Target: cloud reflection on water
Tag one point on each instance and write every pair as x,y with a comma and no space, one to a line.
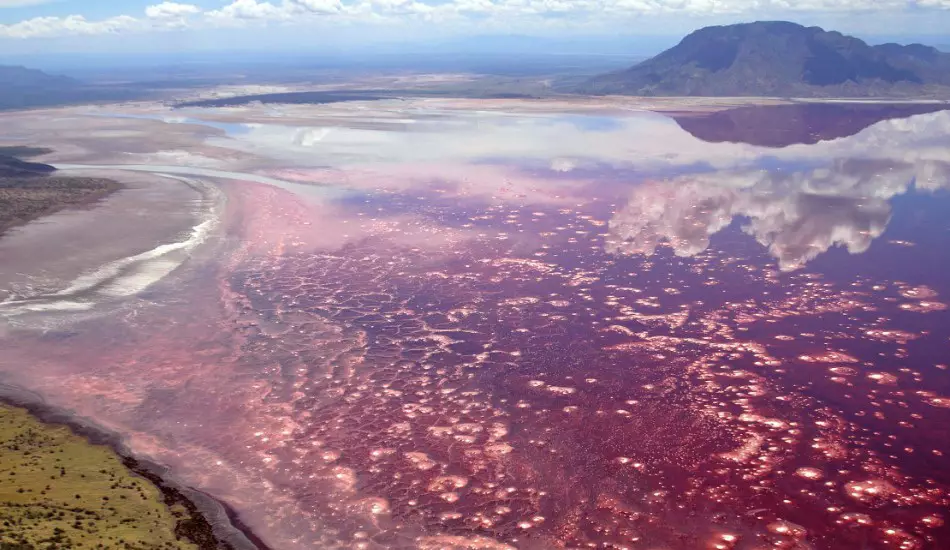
383,366
797,215
798,201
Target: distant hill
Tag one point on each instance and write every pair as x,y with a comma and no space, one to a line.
12,165
777,58
22,88
802,123
12,77
322,97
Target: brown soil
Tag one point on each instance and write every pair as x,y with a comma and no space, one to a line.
23,199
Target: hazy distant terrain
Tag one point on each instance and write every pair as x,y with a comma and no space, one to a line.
761,59
22,88
778,58
521,72
321,97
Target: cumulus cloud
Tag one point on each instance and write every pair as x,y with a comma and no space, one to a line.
157,16
317,6
248,10
170,14
41,27
171,10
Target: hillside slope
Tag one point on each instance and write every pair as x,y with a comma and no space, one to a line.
23,88
777,58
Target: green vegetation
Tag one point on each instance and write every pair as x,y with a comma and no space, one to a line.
58,491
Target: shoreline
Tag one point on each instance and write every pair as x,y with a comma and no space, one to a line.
88,201
212,523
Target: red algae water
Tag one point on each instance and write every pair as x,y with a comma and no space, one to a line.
585,352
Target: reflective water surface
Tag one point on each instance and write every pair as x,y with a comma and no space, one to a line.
542,330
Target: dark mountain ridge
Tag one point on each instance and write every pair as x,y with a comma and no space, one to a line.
22,88
13,165
15,76
778,58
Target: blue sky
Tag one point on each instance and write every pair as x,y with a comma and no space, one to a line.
143,25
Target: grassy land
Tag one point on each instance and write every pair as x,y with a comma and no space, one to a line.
59,491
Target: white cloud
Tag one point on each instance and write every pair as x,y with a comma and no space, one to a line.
248,10
317,6
388,8
164,15
513,14
171,10
40,27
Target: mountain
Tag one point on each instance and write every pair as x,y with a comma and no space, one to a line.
22,88
15,77
12,165
784,125
778,58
